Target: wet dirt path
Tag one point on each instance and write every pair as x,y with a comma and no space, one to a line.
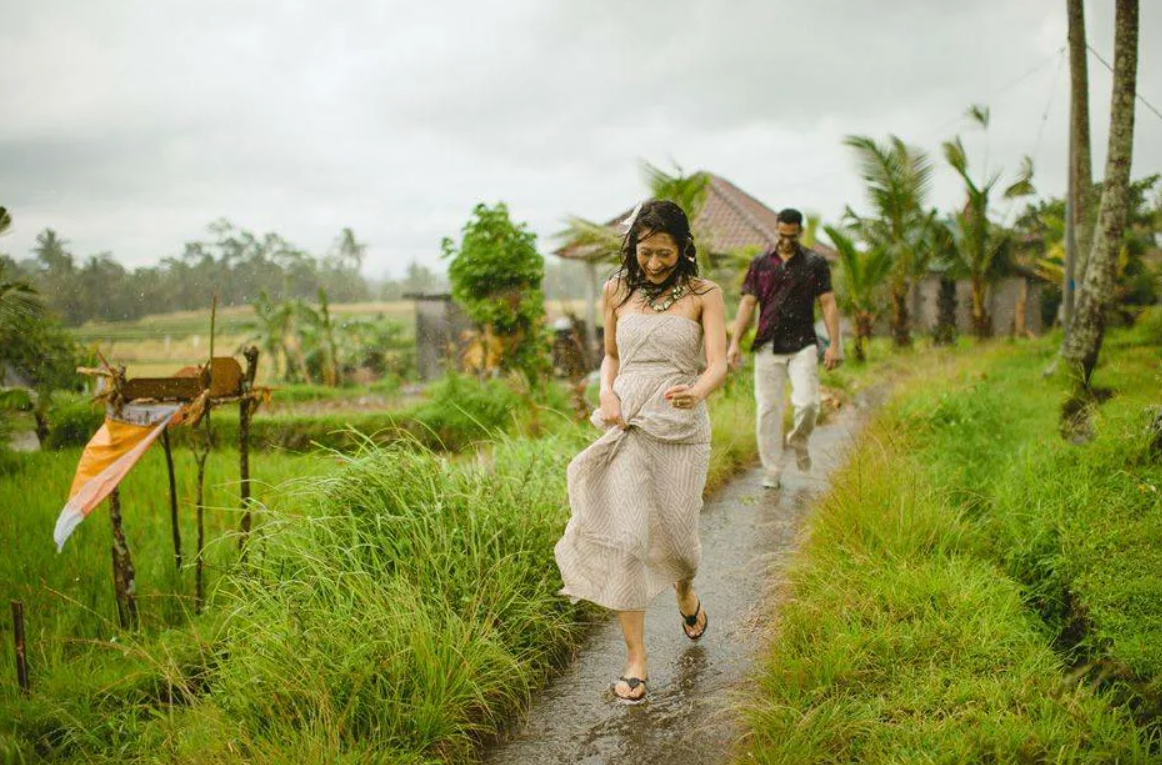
748,534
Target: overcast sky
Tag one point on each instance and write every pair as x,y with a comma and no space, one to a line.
130,126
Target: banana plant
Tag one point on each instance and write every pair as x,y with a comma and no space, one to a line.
861,280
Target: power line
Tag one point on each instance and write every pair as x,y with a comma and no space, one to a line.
1048,106
1055,56
1041,129
1140,97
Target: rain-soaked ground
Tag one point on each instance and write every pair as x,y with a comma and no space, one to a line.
748,534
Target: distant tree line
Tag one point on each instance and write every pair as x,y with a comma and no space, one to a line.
233,263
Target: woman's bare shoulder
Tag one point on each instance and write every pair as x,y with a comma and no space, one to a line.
614,287
704,286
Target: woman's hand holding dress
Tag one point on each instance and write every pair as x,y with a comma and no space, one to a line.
611,410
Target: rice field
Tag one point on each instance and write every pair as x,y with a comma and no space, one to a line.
159,345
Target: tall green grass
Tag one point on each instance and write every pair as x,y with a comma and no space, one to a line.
400,607
68,596
964,563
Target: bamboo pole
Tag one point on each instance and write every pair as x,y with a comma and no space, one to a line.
200,508
245,406
21,652
124,584
173,501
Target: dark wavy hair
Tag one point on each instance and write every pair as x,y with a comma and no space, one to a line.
657,216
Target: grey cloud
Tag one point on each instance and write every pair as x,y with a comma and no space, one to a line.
129,127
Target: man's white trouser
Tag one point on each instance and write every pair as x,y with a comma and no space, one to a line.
770,374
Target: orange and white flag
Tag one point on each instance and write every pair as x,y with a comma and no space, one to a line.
111,452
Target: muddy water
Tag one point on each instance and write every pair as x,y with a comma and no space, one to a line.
747,533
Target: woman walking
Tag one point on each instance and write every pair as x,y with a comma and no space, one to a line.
636,492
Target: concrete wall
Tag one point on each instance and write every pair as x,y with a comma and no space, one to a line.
1002,306
440,326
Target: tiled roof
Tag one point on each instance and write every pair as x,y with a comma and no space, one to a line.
730,220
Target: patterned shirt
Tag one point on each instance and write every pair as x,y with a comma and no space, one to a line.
786,292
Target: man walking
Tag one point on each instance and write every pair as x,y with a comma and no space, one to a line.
784,283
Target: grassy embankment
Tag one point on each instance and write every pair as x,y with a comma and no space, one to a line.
454,412
974,588
398,608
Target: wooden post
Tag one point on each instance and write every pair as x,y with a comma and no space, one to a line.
200,505
124,584
21,654
173,501
199,499
245,406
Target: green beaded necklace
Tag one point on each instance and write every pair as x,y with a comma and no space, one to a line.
675,295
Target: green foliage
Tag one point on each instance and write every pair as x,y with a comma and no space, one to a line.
979,248
861,275
460,409
496,276
96,685
399,607
912,623
1150,323
303,343
35,346
898,180
72,421
18,299
860,284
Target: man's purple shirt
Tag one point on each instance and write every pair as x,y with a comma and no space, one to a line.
786,294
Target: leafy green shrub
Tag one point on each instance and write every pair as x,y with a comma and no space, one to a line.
496,276
460,410
72,421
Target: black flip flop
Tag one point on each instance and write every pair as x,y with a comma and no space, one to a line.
632,682
692,621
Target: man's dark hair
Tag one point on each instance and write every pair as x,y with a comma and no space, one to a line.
790,215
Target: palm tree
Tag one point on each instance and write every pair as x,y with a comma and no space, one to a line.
595,240
1095,293
979,244
898,178
18,299
860,281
